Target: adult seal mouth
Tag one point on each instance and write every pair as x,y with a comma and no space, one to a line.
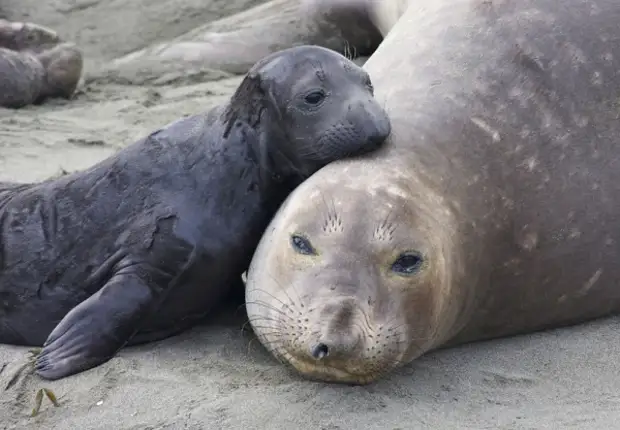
145,243
491,212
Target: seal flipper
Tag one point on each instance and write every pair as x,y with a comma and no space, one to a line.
93,331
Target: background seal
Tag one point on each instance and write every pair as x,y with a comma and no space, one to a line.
35,64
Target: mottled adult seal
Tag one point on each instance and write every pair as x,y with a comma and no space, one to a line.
491,211
35,65
144,243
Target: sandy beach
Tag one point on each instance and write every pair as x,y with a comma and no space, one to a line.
216,376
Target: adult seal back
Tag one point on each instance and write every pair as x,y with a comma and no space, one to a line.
491,211
143,244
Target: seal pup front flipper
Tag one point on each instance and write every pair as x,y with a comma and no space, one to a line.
93,331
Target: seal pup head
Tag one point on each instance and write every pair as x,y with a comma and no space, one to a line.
310,106
361,283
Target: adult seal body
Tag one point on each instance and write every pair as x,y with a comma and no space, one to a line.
35,65
492,210
142,244
234,43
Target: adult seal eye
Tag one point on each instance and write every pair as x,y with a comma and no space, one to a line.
302,245
407,263
314,98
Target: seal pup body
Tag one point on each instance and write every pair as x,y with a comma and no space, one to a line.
492,211
142,244
35,65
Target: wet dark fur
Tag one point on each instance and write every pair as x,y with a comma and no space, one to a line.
146,242
64,238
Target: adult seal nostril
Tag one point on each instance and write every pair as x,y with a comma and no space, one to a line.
320,351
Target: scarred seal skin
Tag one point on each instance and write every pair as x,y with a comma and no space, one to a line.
35,64
491,211
143,244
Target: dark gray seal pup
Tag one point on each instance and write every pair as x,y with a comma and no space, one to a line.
493,210
143,244
35,65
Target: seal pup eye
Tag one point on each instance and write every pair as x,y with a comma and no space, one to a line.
407,263
314,98
302,245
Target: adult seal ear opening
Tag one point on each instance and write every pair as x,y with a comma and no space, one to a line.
145,243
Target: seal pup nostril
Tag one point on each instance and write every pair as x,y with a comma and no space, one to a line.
320,351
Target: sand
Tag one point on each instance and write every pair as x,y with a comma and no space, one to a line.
215,376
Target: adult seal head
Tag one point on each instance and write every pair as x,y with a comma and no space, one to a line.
145,243
491,211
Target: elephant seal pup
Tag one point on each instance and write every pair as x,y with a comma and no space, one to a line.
141,245
491,211
29,77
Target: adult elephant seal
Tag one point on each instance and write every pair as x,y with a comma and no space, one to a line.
492,211
35,65
234,43
141,245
